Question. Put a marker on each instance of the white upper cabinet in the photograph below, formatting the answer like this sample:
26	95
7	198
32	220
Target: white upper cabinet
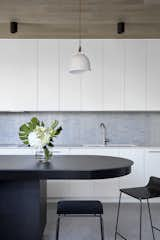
92	81
153	75
124	76
48	73
113	75
18	74
135	74
70	84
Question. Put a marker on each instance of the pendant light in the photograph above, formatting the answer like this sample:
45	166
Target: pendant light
80	62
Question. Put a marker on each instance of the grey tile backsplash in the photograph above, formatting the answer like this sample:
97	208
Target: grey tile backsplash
140	128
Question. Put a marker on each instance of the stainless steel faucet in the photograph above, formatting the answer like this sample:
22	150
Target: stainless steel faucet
104	134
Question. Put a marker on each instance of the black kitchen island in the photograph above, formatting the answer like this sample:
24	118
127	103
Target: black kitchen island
23	188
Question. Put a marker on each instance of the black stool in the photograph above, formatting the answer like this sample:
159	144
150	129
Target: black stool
94	208
151	190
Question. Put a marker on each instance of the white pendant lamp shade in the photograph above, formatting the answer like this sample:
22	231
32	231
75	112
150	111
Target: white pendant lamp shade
79	63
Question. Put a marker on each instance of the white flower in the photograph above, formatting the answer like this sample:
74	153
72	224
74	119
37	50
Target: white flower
45	139
43	134
33	140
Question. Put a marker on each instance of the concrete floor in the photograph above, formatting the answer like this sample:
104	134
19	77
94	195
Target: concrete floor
88	228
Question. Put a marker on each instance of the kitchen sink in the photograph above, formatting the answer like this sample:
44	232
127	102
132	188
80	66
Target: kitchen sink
109	145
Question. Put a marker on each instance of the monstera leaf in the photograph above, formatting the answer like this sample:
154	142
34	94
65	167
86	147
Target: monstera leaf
27	128
55	131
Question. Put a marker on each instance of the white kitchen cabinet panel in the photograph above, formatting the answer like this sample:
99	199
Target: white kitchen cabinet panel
70	84
152	166
113	75
48	73
81	189
92	81
18	73
153	75
106	188
136	177
135	75
58	189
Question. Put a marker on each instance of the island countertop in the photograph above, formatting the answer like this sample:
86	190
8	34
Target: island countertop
23	188
63	167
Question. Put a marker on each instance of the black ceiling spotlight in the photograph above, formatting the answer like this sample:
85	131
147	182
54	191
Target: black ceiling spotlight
120	27
13	27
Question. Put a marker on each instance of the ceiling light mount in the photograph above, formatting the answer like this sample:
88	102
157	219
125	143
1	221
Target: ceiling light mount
120	27
13	27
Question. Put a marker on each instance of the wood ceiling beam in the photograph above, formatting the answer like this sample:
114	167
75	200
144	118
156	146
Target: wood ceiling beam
133	30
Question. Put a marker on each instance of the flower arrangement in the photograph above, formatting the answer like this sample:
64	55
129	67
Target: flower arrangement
36	135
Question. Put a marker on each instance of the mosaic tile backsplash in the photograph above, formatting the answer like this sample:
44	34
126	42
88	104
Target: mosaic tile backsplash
138	128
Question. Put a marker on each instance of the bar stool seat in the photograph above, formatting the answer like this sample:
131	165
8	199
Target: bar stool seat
141	192
79	207
90	208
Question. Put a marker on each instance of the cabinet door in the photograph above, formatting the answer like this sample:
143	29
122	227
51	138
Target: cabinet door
113	86
106	188
152	163
136	177
48	72
18	73
92	81
69	189
153	73
69	83
135	74
58	189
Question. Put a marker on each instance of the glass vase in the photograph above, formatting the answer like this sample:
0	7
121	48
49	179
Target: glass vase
40	155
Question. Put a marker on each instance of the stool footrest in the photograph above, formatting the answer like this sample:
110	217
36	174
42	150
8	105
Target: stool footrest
156	228
121	236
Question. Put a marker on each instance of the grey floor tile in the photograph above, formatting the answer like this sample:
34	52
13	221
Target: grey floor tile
88	228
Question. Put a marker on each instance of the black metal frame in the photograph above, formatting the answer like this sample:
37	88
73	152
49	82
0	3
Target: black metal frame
140	219
88	215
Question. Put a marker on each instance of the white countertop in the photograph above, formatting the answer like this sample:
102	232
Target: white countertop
88	146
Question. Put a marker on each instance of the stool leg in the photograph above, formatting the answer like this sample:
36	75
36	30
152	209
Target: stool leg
120	195
149	211
102	227
57	228
140	229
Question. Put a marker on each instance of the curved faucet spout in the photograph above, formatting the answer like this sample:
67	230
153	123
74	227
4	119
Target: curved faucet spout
104	133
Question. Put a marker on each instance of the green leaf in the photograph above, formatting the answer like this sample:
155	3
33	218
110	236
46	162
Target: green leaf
51	144
22	137
47	153
54	124
42	124
35	122
58	130
24	128
27	128
26	142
